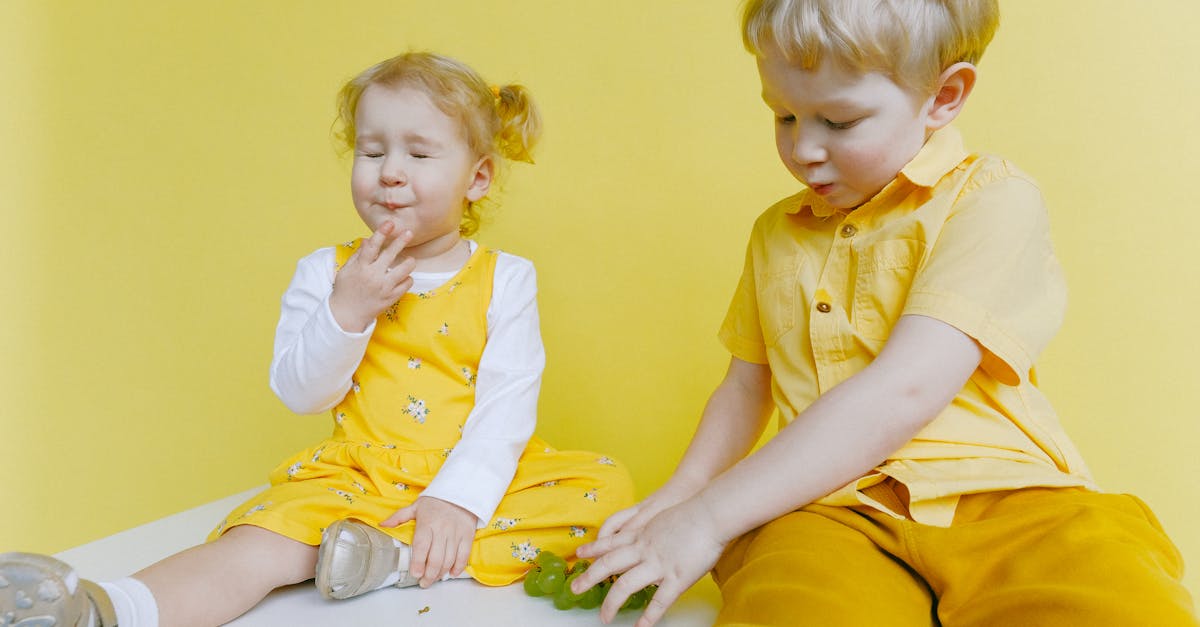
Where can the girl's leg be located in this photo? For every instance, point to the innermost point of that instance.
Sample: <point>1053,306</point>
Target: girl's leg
<point>214,583</point>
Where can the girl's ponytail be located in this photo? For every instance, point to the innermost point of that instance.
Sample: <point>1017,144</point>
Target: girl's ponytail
<point>520,123</point>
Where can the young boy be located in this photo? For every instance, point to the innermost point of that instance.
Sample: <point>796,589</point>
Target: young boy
<point>892,312</point>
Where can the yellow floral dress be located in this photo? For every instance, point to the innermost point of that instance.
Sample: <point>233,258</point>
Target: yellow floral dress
<point>405,411</point>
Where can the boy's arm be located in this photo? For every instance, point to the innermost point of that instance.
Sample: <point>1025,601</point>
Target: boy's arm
<point>844,434</point>
<point>850,429</point>
<point>734,418</point>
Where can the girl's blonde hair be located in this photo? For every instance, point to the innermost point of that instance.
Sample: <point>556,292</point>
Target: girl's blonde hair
<point>909,41</point>
<point>496,121</point>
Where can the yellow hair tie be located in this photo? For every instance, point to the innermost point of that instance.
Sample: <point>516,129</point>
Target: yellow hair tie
<point>496,91</point>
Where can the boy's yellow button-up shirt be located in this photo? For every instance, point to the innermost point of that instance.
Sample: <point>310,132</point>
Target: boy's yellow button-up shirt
<point>959,237</point>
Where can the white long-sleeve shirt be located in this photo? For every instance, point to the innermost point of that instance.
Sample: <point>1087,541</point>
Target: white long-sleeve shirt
<point>314,360</point>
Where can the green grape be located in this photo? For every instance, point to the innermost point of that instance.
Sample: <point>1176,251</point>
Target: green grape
<point>550,581</point>
<point>531,586</point>
<point>648,592</point>
<point>639,599</point>
<point>636,601</point>
<point>566,599</point>
<point>593,597</point>
<point>550,576</point>
<point>549,561</point>
<point>563,602</point>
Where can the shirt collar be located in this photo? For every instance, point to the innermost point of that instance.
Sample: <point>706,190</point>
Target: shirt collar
<point>942,152</point>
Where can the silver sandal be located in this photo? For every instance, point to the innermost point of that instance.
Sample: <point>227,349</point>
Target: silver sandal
<point>40,591</point>
<point>355,558</point>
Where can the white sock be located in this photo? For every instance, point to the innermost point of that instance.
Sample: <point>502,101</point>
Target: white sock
<point>133,603</point>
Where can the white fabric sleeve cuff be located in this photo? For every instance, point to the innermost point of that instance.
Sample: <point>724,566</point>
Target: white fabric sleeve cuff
<point>476,476</point>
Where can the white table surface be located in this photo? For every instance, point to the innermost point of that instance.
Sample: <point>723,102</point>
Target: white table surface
<point>450,603</point>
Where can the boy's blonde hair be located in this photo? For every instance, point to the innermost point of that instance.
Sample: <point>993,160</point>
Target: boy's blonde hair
<point>909,41</point>
<point>496,121</point>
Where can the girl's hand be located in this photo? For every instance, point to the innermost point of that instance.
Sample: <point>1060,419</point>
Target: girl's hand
<point>442,538</point>
<point>674,550</point>
<point>374,278</point>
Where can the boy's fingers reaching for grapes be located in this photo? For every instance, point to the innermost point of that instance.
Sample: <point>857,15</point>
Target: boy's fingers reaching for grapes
<point>609,563</point>
<point>663,598</point>
<point>548,576</point>
<point>625,586</point>
<point>592,576</point>
<point>586,550</point>
<point>603,545</point>
<point>617,521</point>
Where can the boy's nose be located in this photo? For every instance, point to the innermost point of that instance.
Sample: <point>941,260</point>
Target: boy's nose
<point>807,151</point>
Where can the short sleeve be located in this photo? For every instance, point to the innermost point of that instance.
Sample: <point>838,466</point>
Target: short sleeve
<point>993,275</point>
<point>741,332</point>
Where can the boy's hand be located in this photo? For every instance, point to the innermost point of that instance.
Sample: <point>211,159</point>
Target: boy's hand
<point>374,278</point>
<point>674,550</point>
<point>442,538</point>
<point>636,517</point>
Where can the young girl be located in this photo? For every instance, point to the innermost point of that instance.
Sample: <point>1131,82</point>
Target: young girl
<point>425,348</point>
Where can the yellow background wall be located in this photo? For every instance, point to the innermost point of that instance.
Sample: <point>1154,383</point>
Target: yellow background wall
<point>163,166</point>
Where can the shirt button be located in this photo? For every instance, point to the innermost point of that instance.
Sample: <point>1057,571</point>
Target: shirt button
<point>848,230</point>
<point>824,307</point>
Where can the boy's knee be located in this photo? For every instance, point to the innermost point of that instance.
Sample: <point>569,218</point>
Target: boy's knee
<point>1102,530</point>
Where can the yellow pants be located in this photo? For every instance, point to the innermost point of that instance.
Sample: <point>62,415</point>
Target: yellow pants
<point>1026,558</point>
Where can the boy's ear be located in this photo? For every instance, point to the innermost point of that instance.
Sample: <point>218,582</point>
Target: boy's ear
<point>481,181</point>
<point>954,85</point>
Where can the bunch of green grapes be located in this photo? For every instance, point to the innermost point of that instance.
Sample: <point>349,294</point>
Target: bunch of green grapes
<point>550,577</point>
